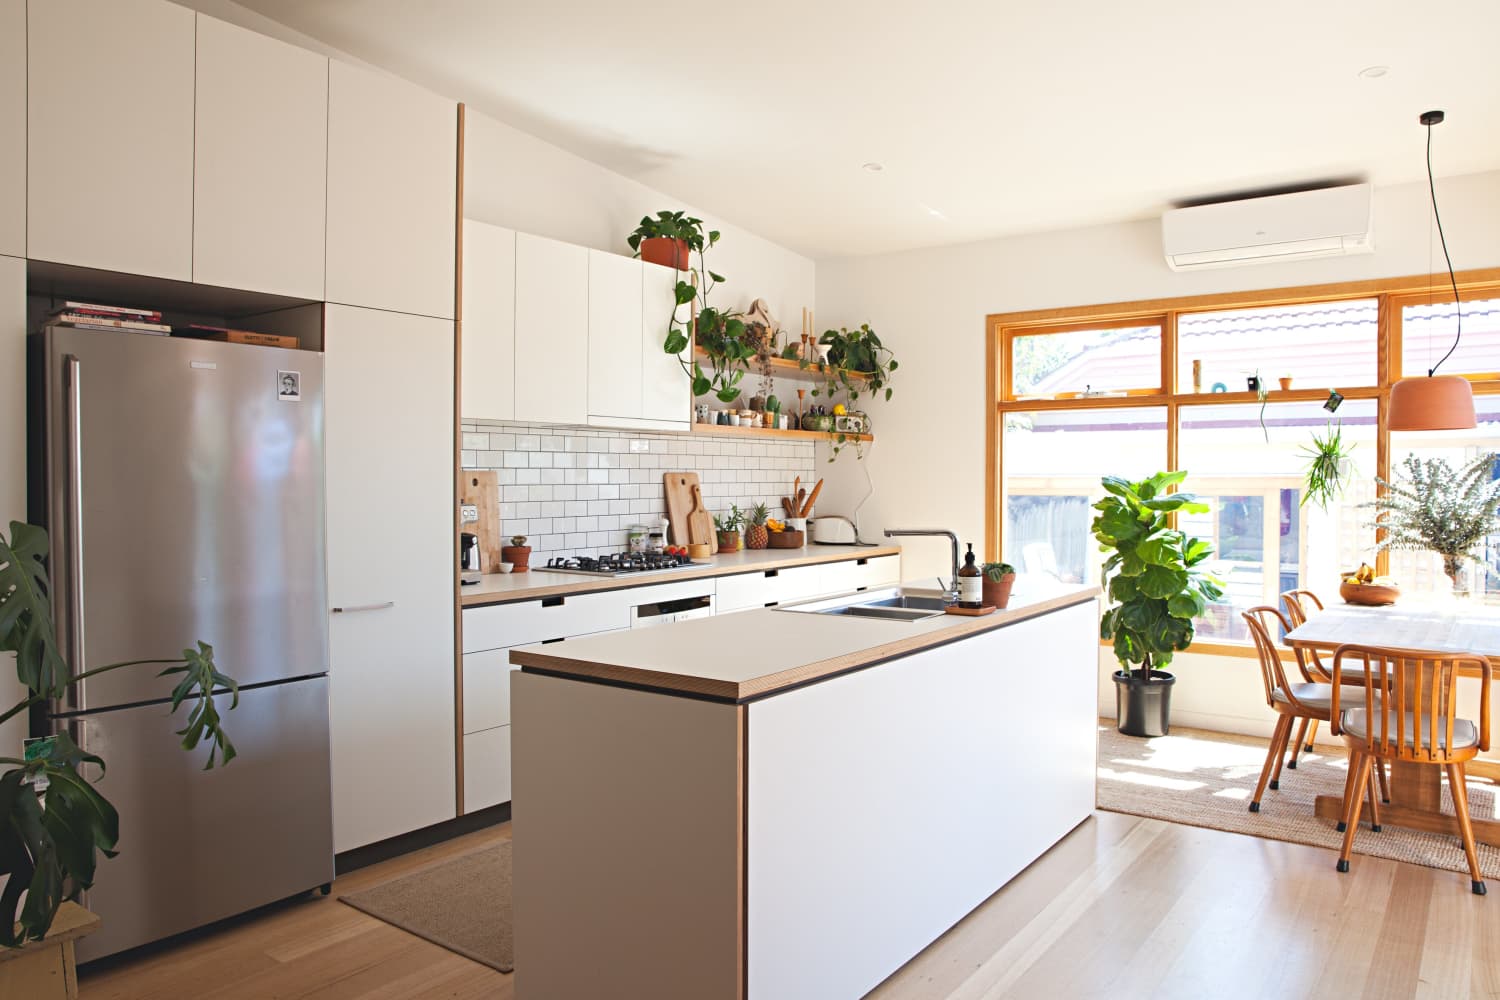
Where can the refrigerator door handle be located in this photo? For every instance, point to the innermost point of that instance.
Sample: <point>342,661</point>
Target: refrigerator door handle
<point>364,607</point>
<point>72,372</point>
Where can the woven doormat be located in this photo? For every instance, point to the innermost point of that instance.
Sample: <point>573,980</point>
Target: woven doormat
<point>462,905</point>
<point>1207,779</point>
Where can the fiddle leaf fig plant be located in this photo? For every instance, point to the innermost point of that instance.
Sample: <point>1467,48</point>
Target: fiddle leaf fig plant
<point>51,839</point>
<point>1153,576</point>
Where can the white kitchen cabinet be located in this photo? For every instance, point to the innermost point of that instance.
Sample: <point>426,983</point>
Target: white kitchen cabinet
<point>260,173</point>
<point>487,689</point>
<point>488,383</point>
<point>615,316</point>
<point>861,574</point>
<point>392,183</point>
<point>486,768</point>
<point>13,128</point>
<point>552,330</point>
<point>109,144</point>
<point>772,586</point>
<point>389,442</point>
<point>523,622</point>
<point>666,390</point>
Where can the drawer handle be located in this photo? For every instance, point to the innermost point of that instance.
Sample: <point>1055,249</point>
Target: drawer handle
<point>553,602</point>
<point>861,562</point>
<point>351,609</point>
<point>548,642</point>
<point>772,572</point>
<point>772,604</point>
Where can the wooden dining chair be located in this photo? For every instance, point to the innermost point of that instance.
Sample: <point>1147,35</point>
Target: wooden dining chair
<point>1414,722</point>
<point>1296,603</point>
<point>1289,700</point>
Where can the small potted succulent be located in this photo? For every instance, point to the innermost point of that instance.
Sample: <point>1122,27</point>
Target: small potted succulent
<point>1286,383</point>
<point>999,577</point>
<point>669,238</point>
<point>728,525</point>
<point>517,553</point>
<point>757,534</point>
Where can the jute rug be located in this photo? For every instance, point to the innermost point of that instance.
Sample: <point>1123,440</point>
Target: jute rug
<point>462,905</point>
<point>1207,779</point>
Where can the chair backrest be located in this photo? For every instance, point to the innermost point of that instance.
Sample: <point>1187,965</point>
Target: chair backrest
<point>1410,695</point>
<point>1296,603</point>
<point>1262,621</point>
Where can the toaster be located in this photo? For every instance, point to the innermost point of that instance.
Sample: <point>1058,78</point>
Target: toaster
<point>831,529</point>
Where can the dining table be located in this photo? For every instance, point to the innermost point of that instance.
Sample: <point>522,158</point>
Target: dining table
<point>1455,627</point>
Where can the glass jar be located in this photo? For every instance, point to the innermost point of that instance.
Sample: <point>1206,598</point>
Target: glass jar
<point>636,538</point>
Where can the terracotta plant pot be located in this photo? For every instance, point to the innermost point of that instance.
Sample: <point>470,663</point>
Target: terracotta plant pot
<point>1286,383</point>
<point>729,541</point>
<point>519,556</point>
<point>997,592</point>
<point>665,251</point>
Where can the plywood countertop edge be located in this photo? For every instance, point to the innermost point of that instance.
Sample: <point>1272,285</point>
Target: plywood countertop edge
<point>801,558</point>
<point>769,684</point>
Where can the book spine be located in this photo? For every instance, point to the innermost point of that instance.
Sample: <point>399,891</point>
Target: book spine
<point>94,307</point>
<point>78,319</point>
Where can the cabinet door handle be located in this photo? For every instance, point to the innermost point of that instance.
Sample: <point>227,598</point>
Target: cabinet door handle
<point>364,607</point>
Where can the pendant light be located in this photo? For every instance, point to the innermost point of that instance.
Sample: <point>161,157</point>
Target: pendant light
<point>1434,402</point>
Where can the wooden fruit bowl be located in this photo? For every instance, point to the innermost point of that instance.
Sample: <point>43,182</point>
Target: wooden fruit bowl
<point>1373,594</point>
<point>785,539</point>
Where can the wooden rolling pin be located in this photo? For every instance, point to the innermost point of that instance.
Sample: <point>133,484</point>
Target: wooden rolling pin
<point>812,498</point>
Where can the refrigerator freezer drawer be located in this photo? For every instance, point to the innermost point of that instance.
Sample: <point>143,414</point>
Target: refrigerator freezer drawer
<point>197,846</point>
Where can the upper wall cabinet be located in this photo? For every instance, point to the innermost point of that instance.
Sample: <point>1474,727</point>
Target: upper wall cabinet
<point>13,128</point>
<point>110,135</point>
<point>489,322</point>
<point>260,173</point>
<point>614,335</point>
<point>552,330</point>
<point>392,178</point>
<point>666,392</point>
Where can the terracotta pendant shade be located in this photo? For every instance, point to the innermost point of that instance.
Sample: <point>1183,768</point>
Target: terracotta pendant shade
<point>1432,403</point>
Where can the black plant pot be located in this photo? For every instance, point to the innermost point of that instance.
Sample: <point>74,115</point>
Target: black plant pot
<point>1143,708</point>
<point>1252,384</point>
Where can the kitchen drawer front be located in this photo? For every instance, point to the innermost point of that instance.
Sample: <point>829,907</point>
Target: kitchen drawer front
<point>526,622</point>
<point>745,590</point>
<point>842,577</point>
<point>799,583</point>
<point>879,571</point>
<point>486,768</point>
<point>487,689</point>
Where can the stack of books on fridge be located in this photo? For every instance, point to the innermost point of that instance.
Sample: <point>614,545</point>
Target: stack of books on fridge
<point>90,316</point>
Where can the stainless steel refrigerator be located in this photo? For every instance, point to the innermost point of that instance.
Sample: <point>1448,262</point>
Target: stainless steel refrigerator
<point>182,484</point>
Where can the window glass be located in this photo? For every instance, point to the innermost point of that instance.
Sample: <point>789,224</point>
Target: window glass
<point>1054,460</point>
<point>1321,345</point>
<point>1266,540</point>
<point>1427,332</point>
<point>1086,361</point>
<point>1421,572</point>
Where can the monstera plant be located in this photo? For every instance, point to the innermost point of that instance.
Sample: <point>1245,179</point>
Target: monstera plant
<point>1156,587</point>
<point>50,841</point>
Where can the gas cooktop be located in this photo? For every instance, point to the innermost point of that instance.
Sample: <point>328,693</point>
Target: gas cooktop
<point>615,564</point>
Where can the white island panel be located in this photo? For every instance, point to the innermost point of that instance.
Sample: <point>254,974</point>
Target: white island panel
<point>886,804</point>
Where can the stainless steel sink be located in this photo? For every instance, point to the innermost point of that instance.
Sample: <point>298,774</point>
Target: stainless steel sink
<point>899,604</point>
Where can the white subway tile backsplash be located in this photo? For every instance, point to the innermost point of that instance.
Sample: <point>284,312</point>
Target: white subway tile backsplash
<point>578,491</point>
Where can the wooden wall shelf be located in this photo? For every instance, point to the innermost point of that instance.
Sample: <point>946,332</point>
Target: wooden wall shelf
<point>714,430</point>
<point>784,368</point>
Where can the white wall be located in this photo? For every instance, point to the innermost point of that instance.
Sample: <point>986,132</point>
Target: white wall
<point>929,305</point>
<point>516,180</point>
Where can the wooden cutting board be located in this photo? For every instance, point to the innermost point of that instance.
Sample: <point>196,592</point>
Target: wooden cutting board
<point>700,524</point>
<point>482,490</point>
<point>680,486</point>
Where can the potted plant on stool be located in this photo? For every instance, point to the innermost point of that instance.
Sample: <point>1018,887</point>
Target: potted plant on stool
<point>1156,588</point>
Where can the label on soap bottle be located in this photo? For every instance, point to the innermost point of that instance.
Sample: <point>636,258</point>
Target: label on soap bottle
<point>971,590</point>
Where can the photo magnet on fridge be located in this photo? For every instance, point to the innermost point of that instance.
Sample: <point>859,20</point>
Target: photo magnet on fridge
<point>289,386</point>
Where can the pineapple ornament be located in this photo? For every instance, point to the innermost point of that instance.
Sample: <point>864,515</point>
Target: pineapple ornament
<point>756,535</point>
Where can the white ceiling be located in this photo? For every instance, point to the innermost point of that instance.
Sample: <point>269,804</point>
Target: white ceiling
<point>1005,117</point>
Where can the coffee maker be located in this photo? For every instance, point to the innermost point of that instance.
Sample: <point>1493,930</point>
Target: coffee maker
<point>468,558</point>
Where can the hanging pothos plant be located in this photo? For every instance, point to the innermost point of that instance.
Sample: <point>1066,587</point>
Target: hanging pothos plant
<point>858,364</point>
<point>719,334</point>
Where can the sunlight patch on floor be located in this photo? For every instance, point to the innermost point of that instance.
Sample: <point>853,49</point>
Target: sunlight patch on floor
<point>1154,780</point>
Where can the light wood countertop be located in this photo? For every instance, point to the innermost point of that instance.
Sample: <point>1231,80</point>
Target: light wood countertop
<point>499,588</point>
<point>751,654</point>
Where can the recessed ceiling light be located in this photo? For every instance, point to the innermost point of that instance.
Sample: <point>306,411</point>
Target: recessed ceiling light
<point>872,167</point>
<point>1374,72</point>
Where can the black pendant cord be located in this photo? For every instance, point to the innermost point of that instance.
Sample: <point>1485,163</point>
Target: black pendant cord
<point>1457,307</point>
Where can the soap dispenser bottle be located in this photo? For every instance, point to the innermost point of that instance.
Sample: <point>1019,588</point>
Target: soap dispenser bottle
<point>970,583</point>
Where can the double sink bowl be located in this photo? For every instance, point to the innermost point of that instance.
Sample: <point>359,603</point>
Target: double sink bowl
<point>899,604</point>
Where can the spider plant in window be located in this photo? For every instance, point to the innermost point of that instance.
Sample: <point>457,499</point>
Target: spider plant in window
<point>1324,478</point>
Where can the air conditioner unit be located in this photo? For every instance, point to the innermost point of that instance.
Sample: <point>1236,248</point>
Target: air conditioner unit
<point>1329,222</point>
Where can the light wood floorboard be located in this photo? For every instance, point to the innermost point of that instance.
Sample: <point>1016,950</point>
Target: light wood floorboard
<point>1123,907</point>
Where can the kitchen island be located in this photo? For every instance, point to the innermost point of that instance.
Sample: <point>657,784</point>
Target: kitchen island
<point>787,805</point>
